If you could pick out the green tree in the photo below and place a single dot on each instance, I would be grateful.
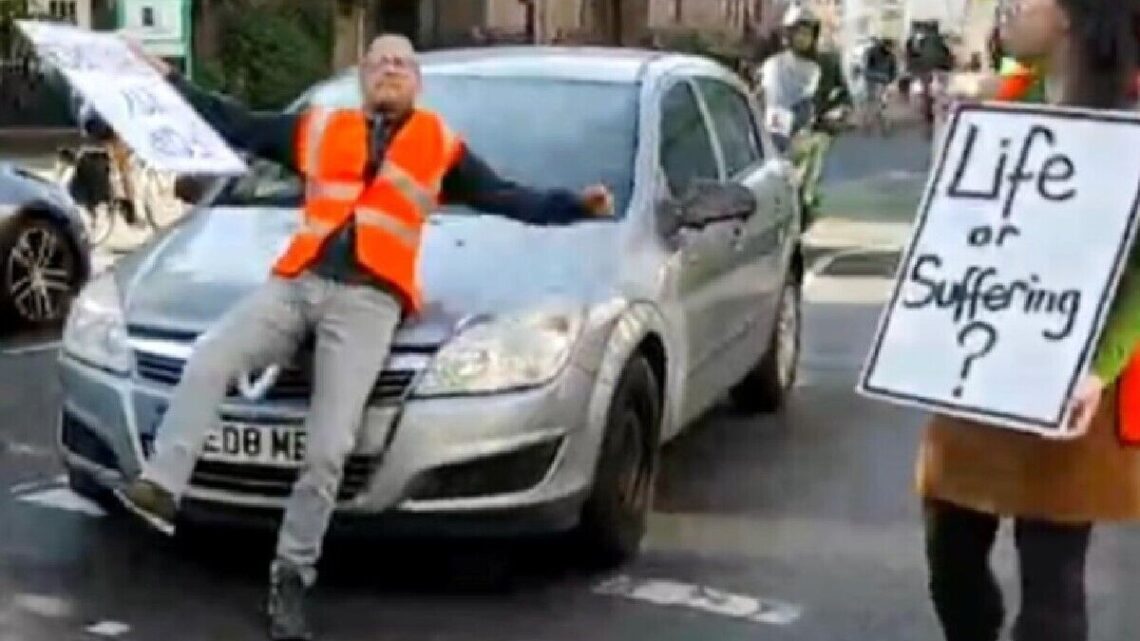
(10, 12)
(269, 50)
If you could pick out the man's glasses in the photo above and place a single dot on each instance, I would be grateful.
(381, 64)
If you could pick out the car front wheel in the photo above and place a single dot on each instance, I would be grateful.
(766, 388)
(39, 272)
(615, 516)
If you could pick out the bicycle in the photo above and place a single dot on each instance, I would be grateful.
(105, 195)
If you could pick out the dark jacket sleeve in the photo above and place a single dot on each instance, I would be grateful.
(269, 135)
(473, 183)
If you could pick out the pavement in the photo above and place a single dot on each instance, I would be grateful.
(800, 526)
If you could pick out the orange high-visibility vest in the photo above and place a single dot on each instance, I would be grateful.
(1128, 402)
(389, 211)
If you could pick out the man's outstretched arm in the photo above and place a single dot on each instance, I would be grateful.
(266, 134)
(472, 182)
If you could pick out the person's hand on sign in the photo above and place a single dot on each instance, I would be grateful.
(1085, 403)
(156, 63)
(598, 200)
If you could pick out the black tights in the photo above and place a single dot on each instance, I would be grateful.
(966, 594)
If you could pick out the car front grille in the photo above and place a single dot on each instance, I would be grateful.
(294, 383)
(276, 482)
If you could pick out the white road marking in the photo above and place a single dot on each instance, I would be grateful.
(34, 451)
(44, 605)
(46, 346)
(29, 486)
(62, 498)
(109, 629)
(698, 597)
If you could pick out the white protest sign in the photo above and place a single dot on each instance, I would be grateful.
(1005, 287)
(145, 111)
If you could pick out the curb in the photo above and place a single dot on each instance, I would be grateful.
(833, 236)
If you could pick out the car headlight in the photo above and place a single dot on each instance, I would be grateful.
(505, 353)
(96, 332)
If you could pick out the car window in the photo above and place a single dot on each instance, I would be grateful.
(546, 133)
(266, 184)
(735, 127)
(686, 144)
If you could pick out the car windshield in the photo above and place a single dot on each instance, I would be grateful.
(543, 133)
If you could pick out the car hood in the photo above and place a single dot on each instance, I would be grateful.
(470, 265)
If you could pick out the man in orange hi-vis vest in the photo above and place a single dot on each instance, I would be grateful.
(373, 175)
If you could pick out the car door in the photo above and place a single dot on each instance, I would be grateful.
(756, 257)
(687, 152)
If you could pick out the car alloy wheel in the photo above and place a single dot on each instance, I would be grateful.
(787, 342)
(39, 272)
(615, 516)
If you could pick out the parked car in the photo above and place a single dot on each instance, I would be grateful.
(44, 254)
(550, 364)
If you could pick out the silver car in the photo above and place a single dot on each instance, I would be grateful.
(550, 364)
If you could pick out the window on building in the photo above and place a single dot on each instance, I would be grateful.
(63, 10)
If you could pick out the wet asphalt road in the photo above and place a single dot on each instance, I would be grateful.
(810, 511)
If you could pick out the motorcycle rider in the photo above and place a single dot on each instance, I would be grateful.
(796, 88)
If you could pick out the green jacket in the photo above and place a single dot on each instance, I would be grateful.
(1121, 337)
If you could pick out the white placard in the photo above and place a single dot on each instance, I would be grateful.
(1004, 289)
(146, 112)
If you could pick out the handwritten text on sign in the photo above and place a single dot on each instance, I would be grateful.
(145, 111)
(1006, 284)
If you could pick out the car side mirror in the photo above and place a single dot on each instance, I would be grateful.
(711, 201)
(191, 189)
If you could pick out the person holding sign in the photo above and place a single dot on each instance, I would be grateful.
(374, 174)
(972, 474)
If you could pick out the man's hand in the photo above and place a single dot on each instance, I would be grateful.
(156, 63)
(598, 200)
(1085, 403)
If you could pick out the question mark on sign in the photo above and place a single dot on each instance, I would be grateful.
(989, 339)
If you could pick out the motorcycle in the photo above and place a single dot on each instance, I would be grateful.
(805, 136)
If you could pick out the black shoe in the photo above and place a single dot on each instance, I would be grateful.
(288, 608)
(151, 503)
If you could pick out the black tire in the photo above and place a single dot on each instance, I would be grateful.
(30, 300)
(86, 486)
(767, 387)
(615, 516)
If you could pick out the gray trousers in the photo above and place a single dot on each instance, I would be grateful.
(353, 325)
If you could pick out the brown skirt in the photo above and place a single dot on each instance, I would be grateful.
(997, 471)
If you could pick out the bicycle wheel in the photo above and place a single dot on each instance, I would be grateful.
(100, 223)
(156, 199)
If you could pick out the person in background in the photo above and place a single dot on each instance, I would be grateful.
(373, 176)
(799, 87)
(104, 180)
(927, 56)
(880, 70)
(971, 475)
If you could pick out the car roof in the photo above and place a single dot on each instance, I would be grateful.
(584, 64)
(612, 64)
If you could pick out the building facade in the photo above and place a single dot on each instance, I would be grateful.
(443, 23)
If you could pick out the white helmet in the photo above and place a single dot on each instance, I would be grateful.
(799, 14)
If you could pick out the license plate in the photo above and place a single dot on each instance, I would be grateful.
(779, 121)
(248, 444)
